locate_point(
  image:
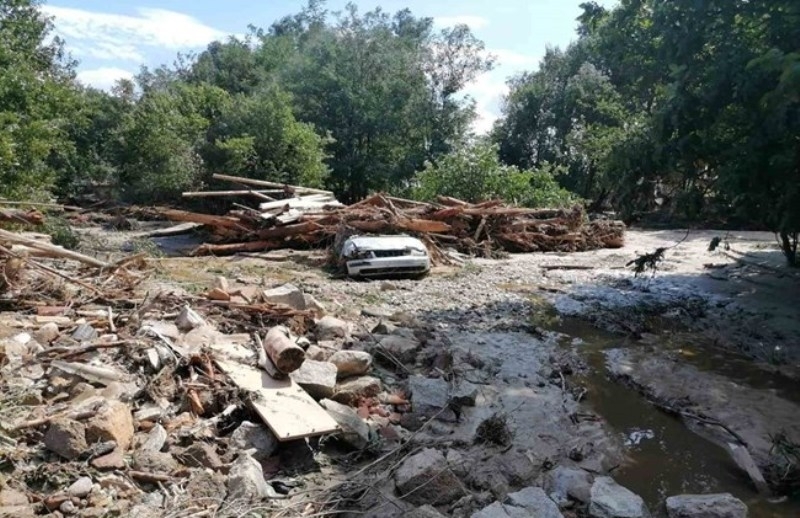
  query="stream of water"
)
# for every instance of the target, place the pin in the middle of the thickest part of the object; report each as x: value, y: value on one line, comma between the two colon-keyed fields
x: 665, y: 457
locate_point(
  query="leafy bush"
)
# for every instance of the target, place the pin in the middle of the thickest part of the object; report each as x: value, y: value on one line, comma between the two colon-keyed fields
x: 474, y: 173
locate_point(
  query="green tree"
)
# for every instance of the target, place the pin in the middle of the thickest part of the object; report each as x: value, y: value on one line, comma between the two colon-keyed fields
x: 474, y: 173
x: 36, y: 100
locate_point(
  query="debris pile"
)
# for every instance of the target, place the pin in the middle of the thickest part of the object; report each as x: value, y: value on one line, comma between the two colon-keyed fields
x: 313, y: 218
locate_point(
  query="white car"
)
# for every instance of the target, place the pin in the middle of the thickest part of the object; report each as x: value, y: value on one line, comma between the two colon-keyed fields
x: 374, y: 256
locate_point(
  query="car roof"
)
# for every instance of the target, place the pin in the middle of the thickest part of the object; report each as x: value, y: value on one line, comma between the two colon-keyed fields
x: 385, y: 242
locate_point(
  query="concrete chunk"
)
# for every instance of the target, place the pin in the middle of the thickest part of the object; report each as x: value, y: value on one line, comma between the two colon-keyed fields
x: 355, y: 431
x: 425, y: 479
x: 351, y: 363
x: 288, y: 295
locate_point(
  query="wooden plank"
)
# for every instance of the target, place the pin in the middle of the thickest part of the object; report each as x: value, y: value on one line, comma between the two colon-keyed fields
x: 63, y: 253
x: 286, y: 408
x: 273, y: 185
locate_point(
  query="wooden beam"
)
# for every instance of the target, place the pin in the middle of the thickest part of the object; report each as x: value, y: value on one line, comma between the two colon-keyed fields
x: 273, y: 185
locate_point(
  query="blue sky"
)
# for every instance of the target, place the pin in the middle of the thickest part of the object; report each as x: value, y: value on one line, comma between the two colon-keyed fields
x: 113, y: 39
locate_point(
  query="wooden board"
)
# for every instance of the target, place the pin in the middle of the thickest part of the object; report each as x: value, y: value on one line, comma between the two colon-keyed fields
x: 286, y: 408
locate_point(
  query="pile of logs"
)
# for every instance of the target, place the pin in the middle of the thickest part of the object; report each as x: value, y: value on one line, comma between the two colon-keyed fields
x: 313, y: 218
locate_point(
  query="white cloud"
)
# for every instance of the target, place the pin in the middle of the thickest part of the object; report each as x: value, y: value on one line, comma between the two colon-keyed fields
x: 474, y: 22
x: 511, y: 58
x: 488, y: 91
x: 121, y: 37
x: 103, y: 78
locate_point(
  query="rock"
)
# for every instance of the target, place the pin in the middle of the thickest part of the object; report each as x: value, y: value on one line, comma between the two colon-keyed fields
x: 384, y: 328
x: 10, y: 497
x: 377, y: 312
x: 426, y: 511
x: 67, y: 438
x: 351, y: 363
x: 81, y: 487
x: 401, y: 348
x: 535, y: 502
x: 17, y: 511
x: 148, y: 413
x: 428, y: 396
x: 611, y: 500
x: 350, y: 390
x: 206, y: 486
x: 155, y: 439
x: 498, y: 510
x: 188, y: 319
x: 317, y: 353
x: 218, y: 294
x: 464, y: 394
x: 154, y: 462
x: 564, y: 483
x: 254, y: 439
x: 113, y: 422
x: 47, y: 333
x: 317, y: 378
x: 314, y: 305
x: 355, y: 431
x: 424, y: 479
x: 723, y: 505
x: 201, y: 455
x: 67, y: 507
x: 288, y: 295
x: 110, y: 462
x: 84, y: 333
x: 246, y: 480
x: 330, y: 328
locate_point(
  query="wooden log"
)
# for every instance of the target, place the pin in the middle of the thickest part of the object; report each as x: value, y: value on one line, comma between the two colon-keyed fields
x: 222, y: 194
x: 175, y: 230
x: 29, y: 217
x: 204, y: 219
x: 235, y: 248
x: 286, y: 355
x: 288, y: 230
x: 422, y: 225
x: 273, y: 185
x: 57, y: 251
x: 451, y: 202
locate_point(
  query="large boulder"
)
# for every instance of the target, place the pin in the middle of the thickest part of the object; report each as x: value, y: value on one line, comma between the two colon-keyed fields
x: 611, y: 500
x: 425, y: 479
x: 723, y: 505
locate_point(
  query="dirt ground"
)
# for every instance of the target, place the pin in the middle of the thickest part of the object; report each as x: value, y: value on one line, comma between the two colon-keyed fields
x: 573, y: 354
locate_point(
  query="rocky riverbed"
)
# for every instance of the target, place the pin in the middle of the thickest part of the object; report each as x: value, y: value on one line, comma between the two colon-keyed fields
x: 540, y: 384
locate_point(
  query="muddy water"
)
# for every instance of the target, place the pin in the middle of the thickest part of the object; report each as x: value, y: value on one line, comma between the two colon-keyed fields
x: 665, y: 457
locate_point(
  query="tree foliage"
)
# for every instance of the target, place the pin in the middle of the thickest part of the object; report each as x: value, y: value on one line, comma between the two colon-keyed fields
x: 474, y: 173
x: 680, y: 105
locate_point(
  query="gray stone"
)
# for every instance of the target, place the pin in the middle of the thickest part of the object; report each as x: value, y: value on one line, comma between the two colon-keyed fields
x: 317, y: 353
x: 156, y: 439
x: 383, y: 327
x: 84, y: 333
x: 255, y: 439
x: 428, y: 396
x: 723, y: 505
x: 81, y: 487
x: 330, y: 328
x: 564, y: 483
x: 426, y: 511
x: 67, y: 507
x: 403, y: 349
x: 188, y: 319
x: 535, y: 501
x: 498, y: 510
x: 425, y: 479
x: 611, y: 500
x: 314, y: 305
x: 465, y: 394
x: 350, y: 390
x: 317, y: 378
x: 351, y: 363
x: 246, y: 480
x: 154, y: 462
x: 201, y: 455
x: 47, y: 333
x: 355, y: 431
x: 67, y: 438
x: 288, y: 295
